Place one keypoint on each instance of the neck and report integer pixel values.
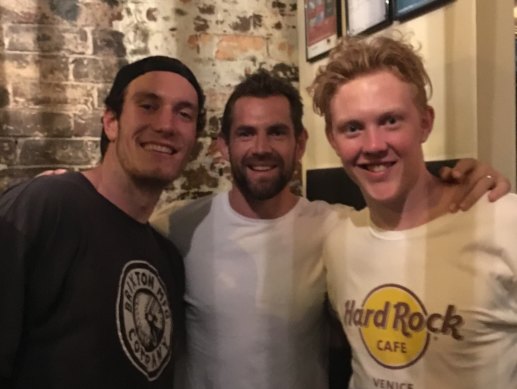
(272, 208)
(427, 200)
(136, 199)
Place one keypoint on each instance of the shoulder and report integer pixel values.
(43, 192)
(504, 209)
(320, 214)
(320, 207)
(174, 221)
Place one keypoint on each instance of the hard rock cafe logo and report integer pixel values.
(144, 320)
(395, 326)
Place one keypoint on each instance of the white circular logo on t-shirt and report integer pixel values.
(144, 319)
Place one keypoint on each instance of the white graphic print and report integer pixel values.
(144, 319)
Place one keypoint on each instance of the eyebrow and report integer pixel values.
(155, 97)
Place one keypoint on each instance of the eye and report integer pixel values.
(187, 115)
(277, 132)
(390, 121)
(351, 128)
(146, 106)
(243, 133)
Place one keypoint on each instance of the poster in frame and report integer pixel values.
(367, 16)
(407, 9)
(322, 27)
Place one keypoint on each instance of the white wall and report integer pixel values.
(469, 52)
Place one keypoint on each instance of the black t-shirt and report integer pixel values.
(89, 297)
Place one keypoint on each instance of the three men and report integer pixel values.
(90, 294)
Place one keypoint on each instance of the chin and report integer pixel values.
(156, 179)
(381, 195)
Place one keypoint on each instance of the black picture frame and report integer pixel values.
(322, 27)
(407, 9)
(367, 16)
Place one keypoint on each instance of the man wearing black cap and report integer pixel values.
(90, 294)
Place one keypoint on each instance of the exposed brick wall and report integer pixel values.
(58, 58)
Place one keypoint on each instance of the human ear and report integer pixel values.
(426, 123)
(301, 143)
(110, 124)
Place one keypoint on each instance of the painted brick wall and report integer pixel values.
(58, 58)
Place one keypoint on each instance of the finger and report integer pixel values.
(500, 187)
(445, 174)
(463, 168)
(476, 191)
(460, 192)
(54, 172)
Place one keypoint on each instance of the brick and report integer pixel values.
(96, 13)
(7, 151)
(282, 50)
(4, 97)
(207, 9)
(201, 24)
(102, 92)
(88, 124)
(50, 68)
(26, 122)
(108, 42)
(100, 14)
(101, 69)
(48, 39)
(65, 9)
(26, 12)
(59, 97)
(138, 40)
(58, 152)
(164, 43)
(283, 7)
(198, 177)
(233, 47)
(213, 125)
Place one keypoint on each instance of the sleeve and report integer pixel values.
(13, 264)
(31, 218)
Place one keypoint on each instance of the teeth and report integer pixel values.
(261, 168)
(159, 148)
(377, 168)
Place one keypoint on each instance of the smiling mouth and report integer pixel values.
(159, 148)
(261, 168)
(377, 167)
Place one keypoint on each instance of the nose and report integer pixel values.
(374, 141)
(164, 121)
(262, 144)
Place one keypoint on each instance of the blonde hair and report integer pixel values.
(357, 56)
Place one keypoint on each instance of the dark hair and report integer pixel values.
(263, 84)
(115, 99)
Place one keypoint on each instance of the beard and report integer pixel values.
(262, 188)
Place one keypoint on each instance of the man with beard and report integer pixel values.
(255, 285)
(90, 294)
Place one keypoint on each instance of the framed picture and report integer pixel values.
(322, 27)
(366, 16)
(406, 9)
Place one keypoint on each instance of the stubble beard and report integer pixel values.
(152, 179)
(261, 190)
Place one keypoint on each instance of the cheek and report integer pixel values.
(345, 149)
